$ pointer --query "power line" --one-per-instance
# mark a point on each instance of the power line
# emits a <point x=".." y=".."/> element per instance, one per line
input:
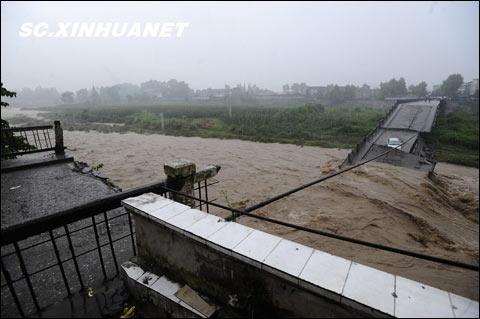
<point x="247" y="212"/>
<point x="335" y="236"/>
<point x="324" y="178"/>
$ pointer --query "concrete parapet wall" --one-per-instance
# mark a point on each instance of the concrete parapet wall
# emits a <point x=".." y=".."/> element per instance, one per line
<point x="232" y="281"/>
<point x="264" y="275"/>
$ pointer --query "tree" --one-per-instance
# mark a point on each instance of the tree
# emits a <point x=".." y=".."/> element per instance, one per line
<point x="11" y="143"/>
<point x="110" y="94"/>
<point x="349" y="93"/>
<point x="393" y="88"/>
<point x="94" y="96"/>
<point x="82" y="95"/>
<point x="335" y="95"/>
<point x="286" y="89"/>
<point x="419" y="90"/>
<point x="451" y="85"/>
<point x="67" y="97"/>
<point x="7" y="93"/>
<point x="299" y="88"/>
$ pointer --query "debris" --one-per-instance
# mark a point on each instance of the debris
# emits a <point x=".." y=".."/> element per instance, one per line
<point x="233" y="300"/>
<point x="191" y="297"/>
<point x="97" y="167"/>
<point x="86" y="170"/>
<point x="15" y="187"/>
<point x="90" y="292"/>
<point x="128" y="312"/>
<point x="146" y="279"/>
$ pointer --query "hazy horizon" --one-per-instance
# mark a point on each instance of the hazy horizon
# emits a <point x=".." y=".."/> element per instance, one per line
<point x="268" y="44"/>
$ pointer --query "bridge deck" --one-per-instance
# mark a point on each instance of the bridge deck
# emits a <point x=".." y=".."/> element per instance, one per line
<point x="408" y="119"/>
<point x="416" y="116"/>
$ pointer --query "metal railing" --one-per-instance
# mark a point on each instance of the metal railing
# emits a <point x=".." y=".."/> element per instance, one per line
<point x="351" y="157"/>
<point x="202" y="190"/>
<point x="32" y="139"/>
<point x="35" y="276"/>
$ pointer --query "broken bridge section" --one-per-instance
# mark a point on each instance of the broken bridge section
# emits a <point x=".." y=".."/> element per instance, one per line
<point x="410" y="121"/>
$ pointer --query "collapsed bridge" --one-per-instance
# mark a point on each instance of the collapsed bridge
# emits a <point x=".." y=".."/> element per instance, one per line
<point x="410" y="121"/>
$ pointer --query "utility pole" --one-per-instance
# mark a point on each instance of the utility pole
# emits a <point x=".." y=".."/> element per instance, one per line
<point x="229" y="98"/>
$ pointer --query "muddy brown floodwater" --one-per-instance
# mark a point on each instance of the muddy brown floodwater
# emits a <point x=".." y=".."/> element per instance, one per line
<point x="384" y="204"/>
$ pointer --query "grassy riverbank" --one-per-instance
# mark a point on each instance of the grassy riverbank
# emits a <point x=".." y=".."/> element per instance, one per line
<point x="311" y="124"/>
<point x="456" y="134"/>
<point x="457" y="137"/>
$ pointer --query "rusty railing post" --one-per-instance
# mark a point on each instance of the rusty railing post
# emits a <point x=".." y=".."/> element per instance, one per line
<point x="59" y="148"/>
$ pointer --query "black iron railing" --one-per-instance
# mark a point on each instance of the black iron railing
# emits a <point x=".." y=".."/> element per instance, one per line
<point x="49" y="258"/>
<point x="202" y="193"/>
<point x="32" y="139"/>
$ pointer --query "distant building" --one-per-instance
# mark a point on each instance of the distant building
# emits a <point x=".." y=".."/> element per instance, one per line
<point x="206" y="94"/>
<point x="316" y="91"/>
<point x="364" y="92"/>
<point x="469" y="88"/>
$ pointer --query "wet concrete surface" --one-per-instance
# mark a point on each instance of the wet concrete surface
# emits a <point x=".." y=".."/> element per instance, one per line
<point x="106" y="301"/>
<point x="34" y="160"/>
<point x="417" y="116"/>
<point x="32" y="193"/>
<point x="403" y="135"/>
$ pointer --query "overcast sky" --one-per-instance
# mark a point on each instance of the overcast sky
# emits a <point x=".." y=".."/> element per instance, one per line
<point x="269" y="44"/>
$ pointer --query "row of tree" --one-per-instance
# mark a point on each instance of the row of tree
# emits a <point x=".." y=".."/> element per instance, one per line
<point x="129" y="93"/>
<point x="390" y="89"/>
<point x="450" y="87"/>
<point x="152" y="91"/>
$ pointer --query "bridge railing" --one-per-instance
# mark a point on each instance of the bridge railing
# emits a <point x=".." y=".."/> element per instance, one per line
<point x="351" y="157"/>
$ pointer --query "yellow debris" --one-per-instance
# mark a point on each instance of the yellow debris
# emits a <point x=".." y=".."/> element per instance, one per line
<point x="128" y="312"/>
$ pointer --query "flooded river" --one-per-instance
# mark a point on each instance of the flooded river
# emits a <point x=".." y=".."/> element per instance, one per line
<point x="389" y="205"/>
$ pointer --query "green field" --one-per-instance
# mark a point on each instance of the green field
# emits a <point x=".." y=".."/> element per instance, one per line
<point x="456" y="137"/>
<point x="311" y="124"/>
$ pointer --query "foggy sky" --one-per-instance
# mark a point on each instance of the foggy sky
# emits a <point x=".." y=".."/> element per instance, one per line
<point x="269" y="44"/>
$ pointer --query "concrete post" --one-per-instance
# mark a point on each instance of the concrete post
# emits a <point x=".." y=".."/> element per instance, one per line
<point x="59" y="149"/>
<point x="206" y="173"/>
<point x="181" y="177"/>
